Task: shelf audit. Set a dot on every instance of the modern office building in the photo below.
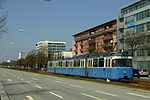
(50, 47)
(101, 38)
(133, 32)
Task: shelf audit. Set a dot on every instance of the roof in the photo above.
(131, 4)
(96, 27)
(46, 41)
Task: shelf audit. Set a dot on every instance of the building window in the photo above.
(140, 52)
(148, 52)
(129, 19)
(130, 30)
(121, 20)
(135, 7)
(148, 26)
(140, 28)
(142, 15)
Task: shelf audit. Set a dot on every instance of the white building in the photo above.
(50, 47)
(21, 55)
(63, 54)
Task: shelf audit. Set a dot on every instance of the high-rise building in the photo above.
(133, 32)
(50, 47)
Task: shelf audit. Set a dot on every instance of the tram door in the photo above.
(108, 68)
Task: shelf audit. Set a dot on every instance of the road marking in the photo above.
(106, 93)
(38, 86)
(35, 79)
(58, 81)
(9, 80)
(56, 94)
(22, 79)
(92, 96)
(139, 95)
(29, 98)
(28, 81)
(75, 86)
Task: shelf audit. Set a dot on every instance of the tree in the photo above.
(134, 42)
(2, 20)
(41, 59)
(31, 59)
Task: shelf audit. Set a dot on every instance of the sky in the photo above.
(31, 21)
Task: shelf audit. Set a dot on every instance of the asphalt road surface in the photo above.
(18, 85)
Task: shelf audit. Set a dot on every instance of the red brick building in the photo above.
(101, 38)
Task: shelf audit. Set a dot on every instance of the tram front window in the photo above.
(122, 63)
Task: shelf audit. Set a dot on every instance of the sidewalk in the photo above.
(3, 94)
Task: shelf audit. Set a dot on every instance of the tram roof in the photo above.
(103, 54)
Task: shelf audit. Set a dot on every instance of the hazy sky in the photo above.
(57, 20)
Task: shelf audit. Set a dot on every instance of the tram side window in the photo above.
(107, 62)
(70, 63)
(63, 64)
(56, 64)
(78, 63)
(60, 63)
(66, 63)
(95, 62)
(82, 63)
(90, 63)
(74, 63)
(50, 64)
(101, 62)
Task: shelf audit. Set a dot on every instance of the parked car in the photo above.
(143, 72)
(140, 72)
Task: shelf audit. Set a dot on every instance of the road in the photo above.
(18, 85)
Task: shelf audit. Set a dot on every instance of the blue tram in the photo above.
(107, 65)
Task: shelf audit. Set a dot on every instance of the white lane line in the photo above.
(106, 93)
(22, 79)
(28, 82)
(56, 94)
(58, 81)
(9, 80)
(38, 86)
(35, 79)
(29, 98)
(139, 95)
(75, 86)
(92, 96)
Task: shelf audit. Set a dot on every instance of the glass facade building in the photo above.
(50, 47)
(133, 32)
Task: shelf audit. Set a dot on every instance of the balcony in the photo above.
(87, 36)
(92, 41)
(82, 37)
(108, 45)
(107, 38)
